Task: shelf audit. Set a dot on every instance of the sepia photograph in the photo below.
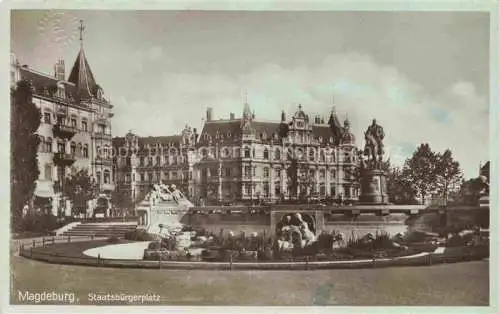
(250, 157)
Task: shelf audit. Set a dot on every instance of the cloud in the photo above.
(455, 118)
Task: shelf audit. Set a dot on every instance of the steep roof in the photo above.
(81, 75)
(43, 83)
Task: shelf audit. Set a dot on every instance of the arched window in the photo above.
(79, 150)
(73, 148)
(266, 153)
(277, 154)
(86, 151)
(107, 177)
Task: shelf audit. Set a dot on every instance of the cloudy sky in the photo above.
(423, 75)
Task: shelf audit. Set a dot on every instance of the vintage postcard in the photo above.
(251, 156)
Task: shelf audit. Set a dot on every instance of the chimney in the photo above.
(231, 116)
(59, 70)
(209, 114)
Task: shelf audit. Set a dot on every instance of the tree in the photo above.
(448, 173)
(399, 187)
(79, 188)
(25, 120)
(420, 170)
(122, 199)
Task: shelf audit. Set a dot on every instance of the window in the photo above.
(254, 168)
(150, 161)
(101, 128)
(347, 158)
(225, 152)
(142, 176)
(312, 154)
(127, 178)
(333, 174)
(312, 173)
(46, 117)
(98, 177)
(48, 144)
(141, 161)
(158, 160)
(86, 150)
(248, 171)
(253, 152)
(266, 154)
(174, 175)
(277, 154)
(266, 189)
(60, 119)
(73, 122)
(332, 191)
(41, 146)
(322, 174)
(277, 172)
(79, 150)
(73, 148)
(247, 152)
(322, 189)
(190, 175)
(277, 189)
(347, 191)
(227, 172)
(48, 172)
(84, 126)
(107, 177)
(248, 189)
(322, 156)
(61, 148)
(266, 172)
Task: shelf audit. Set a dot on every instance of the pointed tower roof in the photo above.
(81, 74)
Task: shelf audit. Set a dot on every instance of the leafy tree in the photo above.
(420, 170)
(448, 173)
(79, 188)
(122, 199)
(399, 187)
(25, 120)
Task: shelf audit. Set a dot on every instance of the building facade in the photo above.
(75, 130)
(246, 160)
(143, 161)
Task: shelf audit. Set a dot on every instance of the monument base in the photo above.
(373, 187)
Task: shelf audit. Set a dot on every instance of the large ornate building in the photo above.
(75, 129)
(142, 161)
(245, 160)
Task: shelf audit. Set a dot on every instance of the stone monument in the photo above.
(372, 176)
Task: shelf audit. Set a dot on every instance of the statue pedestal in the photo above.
(373, 187)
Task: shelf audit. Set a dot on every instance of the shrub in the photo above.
(139, 235)
(113, 239)
(154, 246)
(40, 223)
